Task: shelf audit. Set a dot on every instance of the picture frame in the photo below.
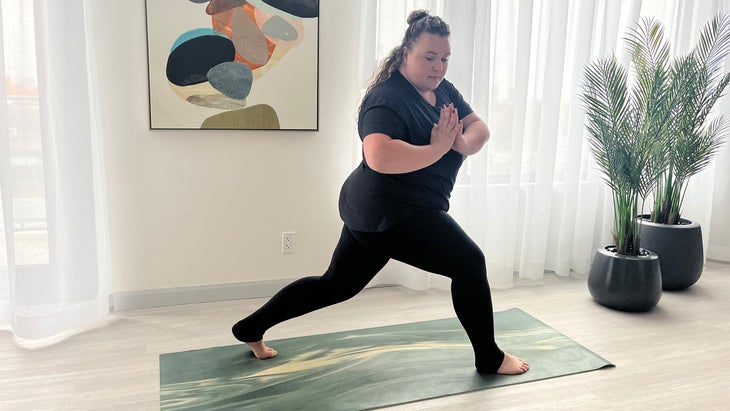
(233, 64)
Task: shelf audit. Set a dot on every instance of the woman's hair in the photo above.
(419, 21)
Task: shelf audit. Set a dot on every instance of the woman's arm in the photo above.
(474, 136)
(392, 156)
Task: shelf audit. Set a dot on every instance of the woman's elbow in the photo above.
(373, 152)
(376, 163)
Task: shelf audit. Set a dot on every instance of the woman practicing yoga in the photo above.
(416, 131)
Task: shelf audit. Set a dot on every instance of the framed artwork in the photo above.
(233, 64)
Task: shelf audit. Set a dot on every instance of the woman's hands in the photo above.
(467, 136)
(392, 156)
(447, 130)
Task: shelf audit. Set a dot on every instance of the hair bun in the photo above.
(417, 15)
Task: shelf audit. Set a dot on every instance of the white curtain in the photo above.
(53, 241)
(532, 199)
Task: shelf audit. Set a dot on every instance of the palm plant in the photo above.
(693, 84)
(625, 123)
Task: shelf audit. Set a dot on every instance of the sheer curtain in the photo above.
(532, 199)
(53, 251)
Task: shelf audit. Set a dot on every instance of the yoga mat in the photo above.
(361, 369)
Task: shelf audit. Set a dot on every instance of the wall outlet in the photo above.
(288, 242)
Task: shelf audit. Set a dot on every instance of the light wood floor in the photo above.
(675, 357)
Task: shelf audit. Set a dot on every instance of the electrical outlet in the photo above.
(288, 242)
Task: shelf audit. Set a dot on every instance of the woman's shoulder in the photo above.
(390, 92)
(390, 87)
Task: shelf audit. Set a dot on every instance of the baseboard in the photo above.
(718, 253)
(134, 300)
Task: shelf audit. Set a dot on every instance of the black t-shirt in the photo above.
(371, 201)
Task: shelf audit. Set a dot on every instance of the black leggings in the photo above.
(429, 240)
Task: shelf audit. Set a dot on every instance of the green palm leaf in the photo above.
(696, 83)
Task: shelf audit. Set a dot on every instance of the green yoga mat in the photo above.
(361, 369)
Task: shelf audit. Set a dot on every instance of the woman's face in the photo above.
(425, 64)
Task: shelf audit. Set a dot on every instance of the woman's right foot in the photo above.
(261, 350)
(512, 365)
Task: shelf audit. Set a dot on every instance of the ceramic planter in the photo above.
(625, 283)
(680, 251)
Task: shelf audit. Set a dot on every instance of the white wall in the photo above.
(208, 207)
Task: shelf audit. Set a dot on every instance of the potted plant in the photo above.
(624, 123)
(695, 83)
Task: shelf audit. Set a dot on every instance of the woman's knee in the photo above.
(340, 290)
(474, 259)
(472, 268)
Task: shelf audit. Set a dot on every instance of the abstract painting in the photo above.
(233, 64)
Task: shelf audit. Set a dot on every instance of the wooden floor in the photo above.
(676, 357)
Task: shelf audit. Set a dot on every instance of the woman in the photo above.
(416, 130)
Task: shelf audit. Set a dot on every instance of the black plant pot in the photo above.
(679, 247)
(625, 283)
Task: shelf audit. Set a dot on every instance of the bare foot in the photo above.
(512, 365)
(261, 350)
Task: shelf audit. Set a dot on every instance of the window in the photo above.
(25, 187)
